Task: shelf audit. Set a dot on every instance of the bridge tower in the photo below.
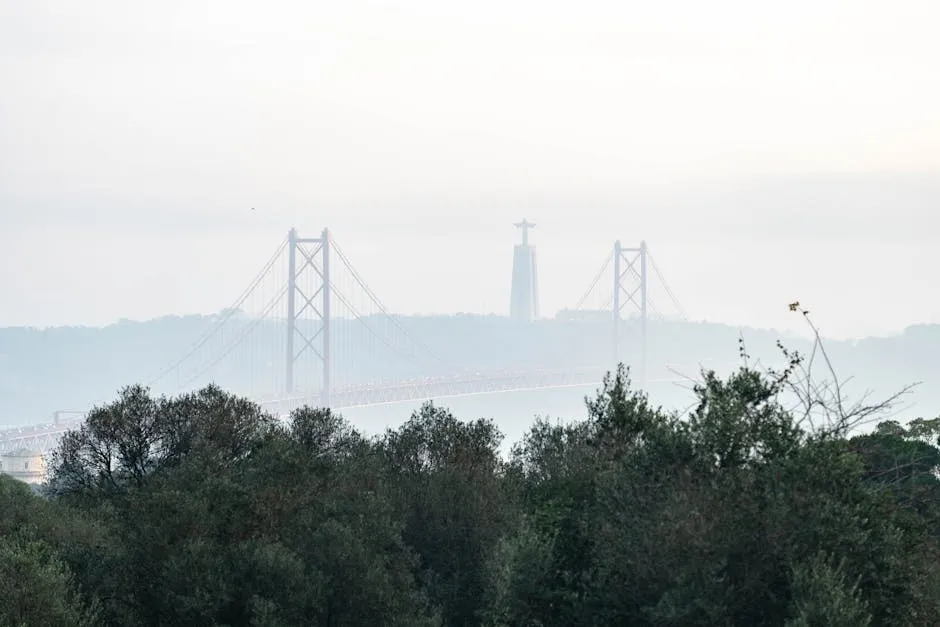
(630, 281)
(315, 257)
(524, 298)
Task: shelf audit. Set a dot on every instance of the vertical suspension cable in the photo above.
(361, 283)
(353, 347)
(665, 284)
(211, 333)
(597, 277)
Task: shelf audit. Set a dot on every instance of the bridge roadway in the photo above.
(44, 437)
(430, 388)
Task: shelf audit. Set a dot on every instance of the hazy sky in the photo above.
(765, 154)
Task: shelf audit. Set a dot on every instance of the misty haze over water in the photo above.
(765, 156)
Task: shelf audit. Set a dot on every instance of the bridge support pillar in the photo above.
(630, 287)
(327, 288)
(308, 284)
(617, 307)
(291, 310)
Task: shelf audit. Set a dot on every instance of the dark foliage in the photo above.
(202, 510)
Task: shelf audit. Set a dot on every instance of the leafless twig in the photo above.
(821, 404)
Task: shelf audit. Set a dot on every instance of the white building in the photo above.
(25, 465)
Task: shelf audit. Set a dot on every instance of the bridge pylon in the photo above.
(630, 281)
(314, 257)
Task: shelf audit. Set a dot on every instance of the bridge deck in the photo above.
(44, 437)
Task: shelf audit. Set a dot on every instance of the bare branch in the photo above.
(821, 404)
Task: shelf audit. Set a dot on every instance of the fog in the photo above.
(765, 154)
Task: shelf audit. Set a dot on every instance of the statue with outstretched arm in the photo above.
(525, 225)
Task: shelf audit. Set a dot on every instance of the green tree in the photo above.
(822, 597)
(36, 587)
(120, 445)
(220, 516)
(447, 480)
(639, 517)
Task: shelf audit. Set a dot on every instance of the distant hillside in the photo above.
(71, 368)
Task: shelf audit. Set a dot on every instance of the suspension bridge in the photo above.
(309, 330)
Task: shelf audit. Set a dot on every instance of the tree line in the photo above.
(201, 509)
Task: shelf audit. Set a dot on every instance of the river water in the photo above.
(513, 412)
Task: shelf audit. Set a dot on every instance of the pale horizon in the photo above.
(765, 155)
